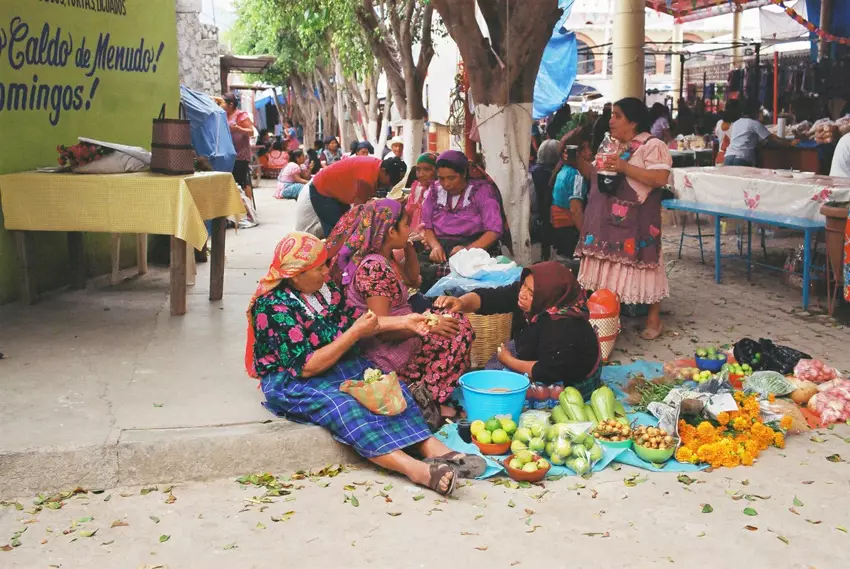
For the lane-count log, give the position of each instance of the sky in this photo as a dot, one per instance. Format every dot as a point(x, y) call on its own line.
point(218, 12)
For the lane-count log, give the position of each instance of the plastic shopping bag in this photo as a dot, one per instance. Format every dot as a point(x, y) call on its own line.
point(381, 396)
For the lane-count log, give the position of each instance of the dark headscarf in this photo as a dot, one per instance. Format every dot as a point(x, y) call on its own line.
point(454, 159)
point(368, 146)
point(556, 291)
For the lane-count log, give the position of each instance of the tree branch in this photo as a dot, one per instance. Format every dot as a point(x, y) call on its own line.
point(426, 45)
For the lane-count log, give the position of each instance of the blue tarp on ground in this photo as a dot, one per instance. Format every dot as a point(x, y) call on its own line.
point(557, 68)
point(616, 378)
point(210, 133)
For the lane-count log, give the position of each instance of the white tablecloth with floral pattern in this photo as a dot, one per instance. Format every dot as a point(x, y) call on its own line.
point(799, 194)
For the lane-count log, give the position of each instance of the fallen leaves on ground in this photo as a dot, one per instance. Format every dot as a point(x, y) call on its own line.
point(597, 534)
point(163, 538)
point(230, 546)
point(751, 528)
point(394, 514)
point(533, 529)
point(750, 512)
point(634, 480)
point(119, 523)
point(685, 479)
point(154, 519)
point(481, 548)
point(835, 458)
point(146, 491)
point(707, 509)
point(797, 502)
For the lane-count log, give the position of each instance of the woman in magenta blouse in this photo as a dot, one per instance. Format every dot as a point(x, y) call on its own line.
point(458, 213)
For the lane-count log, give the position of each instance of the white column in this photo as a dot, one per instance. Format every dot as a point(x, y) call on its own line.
point(676, 67)
point(737, 59)
point(629, 33)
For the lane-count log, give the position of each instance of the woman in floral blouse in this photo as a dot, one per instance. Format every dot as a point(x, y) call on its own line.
point(301, 346)
point(362, 244)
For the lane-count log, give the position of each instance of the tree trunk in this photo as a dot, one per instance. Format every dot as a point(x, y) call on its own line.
point(506, 139)
point(413, 124)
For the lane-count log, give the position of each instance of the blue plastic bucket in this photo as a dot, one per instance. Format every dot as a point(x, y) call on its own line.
point(489, 392)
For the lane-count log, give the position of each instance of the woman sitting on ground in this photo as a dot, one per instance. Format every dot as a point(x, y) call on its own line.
point(274, 160)
point(362, 246)
point(553, 340)
point(425, 173)
point(331, 153)
point(458, 213)
point(293, 177)
point(365, 148)
point(300, 339)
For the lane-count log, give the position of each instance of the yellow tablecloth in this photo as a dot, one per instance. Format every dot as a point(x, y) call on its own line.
point(140, 202)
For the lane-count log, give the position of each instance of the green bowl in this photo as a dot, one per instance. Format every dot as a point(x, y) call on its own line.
point(654, 455)
point(618, 444)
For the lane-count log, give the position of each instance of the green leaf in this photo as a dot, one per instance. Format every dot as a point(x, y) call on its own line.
point(163, 538)
point(85, 520)
point(388, 487)
point(841, 528)
point(155, 519)
point(418, 497)
point(783, 539)
point(797, 502)
point(146, 491)
point(354, 501)
point(260, 525)
point(835, 458)
point(750, 512)
point(701, 534)
point(158, 404)
point(817, 439)
point(110, 542)
point(511, 504)
point(230, 546)
point(707, 509)
point(87, 533)
point(685, 479)
point(108, 498)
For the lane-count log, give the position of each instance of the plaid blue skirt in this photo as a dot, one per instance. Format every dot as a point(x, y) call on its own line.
point(319, 401)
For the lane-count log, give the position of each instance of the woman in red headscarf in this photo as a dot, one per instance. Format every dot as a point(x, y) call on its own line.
point(301, 338)
point(553, 341)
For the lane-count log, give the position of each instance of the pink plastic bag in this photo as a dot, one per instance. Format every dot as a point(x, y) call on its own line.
point(832, 402)
point(815, 371)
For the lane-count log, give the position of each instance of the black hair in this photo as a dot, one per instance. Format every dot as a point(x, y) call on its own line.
point(313, 160)
point(318, 144)
point(657, 111)
point(732, 112)
point(367, 145)
point(395, 167)
point(294, 155)
point(352, 148)
point(635, 111)
point(751, 108)
point(329, 139)
point(232, 99)
point(277, 144)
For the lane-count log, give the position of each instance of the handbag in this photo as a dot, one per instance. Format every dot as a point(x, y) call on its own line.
point(382, 397)
point(171, 145)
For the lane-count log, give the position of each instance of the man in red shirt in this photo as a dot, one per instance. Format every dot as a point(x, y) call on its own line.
point(350, 182)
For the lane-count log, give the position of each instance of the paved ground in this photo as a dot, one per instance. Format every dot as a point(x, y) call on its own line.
point(103, 388)
point(600, 522)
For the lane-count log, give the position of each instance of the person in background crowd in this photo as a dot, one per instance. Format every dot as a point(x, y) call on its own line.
point(541, 174)
point(396, 145)
point(352, 148)
point(241, 130)
point(274, 159)
point(292, 177)
point(558, 121)
point(365, 149)
point(290, 136)
point(620, 242)
point(731, 113)
point(600, 127)
point(569, 195)
point(313, 162)
point(349, 182)
point(746, 134)
point(331, 153)
point(685, 121)
point(659, 114)
point(264, 140)
point(426, 173)
point(841, 158)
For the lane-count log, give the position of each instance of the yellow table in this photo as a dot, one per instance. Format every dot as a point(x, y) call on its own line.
point(138, 203)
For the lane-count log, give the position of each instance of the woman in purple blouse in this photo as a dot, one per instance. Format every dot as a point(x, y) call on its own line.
point(458, 213)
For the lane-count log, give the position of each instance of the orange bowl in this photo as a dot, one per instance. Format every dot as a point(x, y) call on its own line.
point(499, 449)
point(522, 475)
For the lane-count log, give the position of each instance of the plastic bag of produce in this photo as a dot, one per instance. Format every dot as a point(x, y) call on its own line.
point(765, 355)
point(535, 420)
point(832, 402)
point(680, 370)
point(815, 371)
point(774, 412)
point(380, 394)
point(748, 351)
point(572, 445)
point(767, 383)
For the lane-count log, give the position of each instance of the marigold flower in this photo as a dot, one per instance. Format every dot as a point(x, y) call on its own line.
point(779, 440)
point(786, 422)
point(771, 398)
point(723, 418)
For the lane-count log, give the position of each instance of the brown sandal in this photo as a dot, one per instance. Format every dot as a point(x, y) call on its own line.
point(469, 466)
point(437, 471)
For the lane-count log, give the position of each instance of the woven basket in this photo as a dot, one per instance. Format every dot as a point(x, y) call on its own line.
point(171, 145)
point(490, 331)
point(607, 330)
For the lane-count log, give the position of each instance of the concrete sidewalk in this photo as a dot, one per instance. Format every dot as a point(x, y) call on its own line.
point(103, 387)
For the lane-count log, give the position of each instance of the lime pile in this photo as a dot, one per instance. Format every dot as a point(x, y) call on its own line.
point(495, 431)
point(524, 460)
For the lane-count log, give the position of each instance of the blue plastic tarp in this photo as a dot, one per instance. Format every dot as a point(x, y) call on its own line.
point(210, 133)
point(558, 67)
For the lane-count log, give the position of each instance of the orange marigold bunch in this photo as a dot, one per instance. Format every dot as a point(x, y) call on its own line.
point(786, 422)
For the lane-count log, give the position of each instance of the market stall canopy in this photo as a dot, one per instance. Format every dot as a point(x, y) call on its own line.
point(243, 64)
point(691, 10)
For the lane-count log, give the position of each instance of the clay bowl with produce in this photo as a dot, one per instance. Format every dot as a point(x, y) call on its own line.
point(653, 444)
point(492, 448)
point(614, 434)
point(526, 466)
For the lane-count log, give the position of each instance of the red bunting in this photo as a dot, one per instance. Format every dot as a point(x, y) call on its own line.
point(826, 36)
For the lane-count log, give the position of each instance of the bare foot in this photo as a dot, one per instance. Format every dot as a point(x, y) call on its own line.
point(652, 332)
point(438, 477)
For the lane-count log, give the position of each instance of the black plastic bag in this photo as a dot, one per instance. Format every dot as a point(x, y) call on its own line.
point(780, 358)
point(767, 356)
point(748, 351)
